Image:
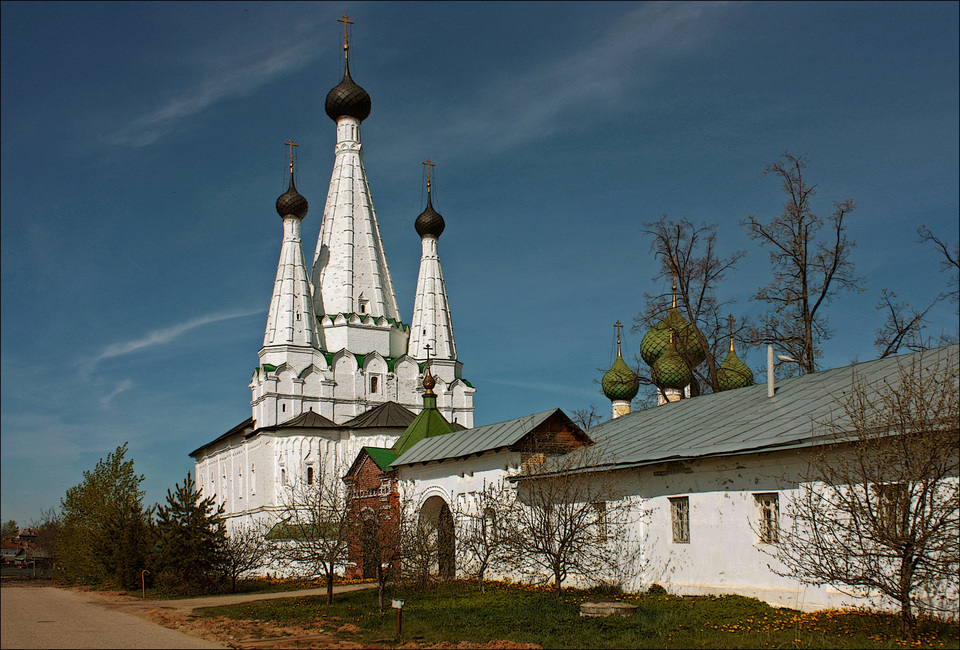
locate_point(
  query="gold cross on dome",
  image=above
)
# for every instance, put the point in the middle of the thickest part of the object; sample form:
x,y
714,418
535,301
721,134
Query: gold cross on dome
x,y
428,165
290,143
619,327
346,44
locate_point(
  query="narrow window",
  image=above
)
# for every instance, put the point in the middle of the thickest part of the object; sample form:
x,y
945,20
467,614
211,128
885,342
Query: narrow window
x,y
489,525
375,384
892,508
600,521
769,524
680,516
309,476
283,477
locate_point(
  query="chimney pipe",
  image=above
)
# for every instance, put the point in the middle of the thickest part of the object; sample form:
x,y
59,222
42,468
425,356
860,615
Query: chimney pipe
x,y
770,388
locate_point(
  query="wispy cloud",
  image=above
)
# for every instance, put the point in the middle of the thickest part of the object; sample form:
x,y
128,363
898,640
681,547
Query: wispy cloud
x,y
164,336
236,82
599,77
124,385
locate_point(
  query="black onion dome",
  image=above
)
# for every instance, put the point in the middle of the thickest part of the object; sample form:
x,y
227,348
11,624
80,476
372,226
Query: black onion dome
x,y
347,98
429,222
292,203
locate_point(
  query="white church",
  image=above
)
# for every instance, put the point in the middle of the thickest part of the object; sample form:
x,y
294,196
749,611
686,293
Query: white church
x,y
343,382
339,368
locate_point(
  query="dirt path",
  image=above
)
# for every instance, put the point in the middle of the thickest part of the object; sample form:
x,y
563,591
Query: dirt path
x,y
318,633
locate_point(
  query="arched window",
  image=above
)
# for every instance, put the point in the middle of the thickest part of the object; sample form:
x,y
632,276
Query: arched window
x,y
309,476
374,384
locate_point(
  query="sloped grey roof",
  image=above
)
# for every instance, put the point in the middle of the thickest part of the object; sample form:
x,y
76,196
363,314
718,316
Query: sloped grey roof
x,y
248,423
308,420
473,441
746,420
388,414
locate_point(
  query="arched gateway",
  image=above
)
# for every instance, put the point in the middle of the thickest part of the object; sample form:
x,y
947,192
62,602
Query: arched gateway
x,y
436,521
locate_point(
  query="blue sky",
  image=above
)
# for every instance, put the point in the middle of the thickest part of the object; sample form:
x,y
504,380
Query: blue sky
x,y
142,154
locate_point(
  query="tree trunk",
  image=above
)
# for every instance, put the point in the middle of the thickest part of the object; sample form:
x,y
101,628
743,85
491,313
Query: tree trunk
x,y
329,587
906,616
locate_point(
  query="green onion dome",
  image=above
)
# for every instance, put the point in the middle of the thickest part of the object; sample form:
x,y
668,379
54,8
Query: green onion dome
x,y
620,383
733,373
671,370
687,343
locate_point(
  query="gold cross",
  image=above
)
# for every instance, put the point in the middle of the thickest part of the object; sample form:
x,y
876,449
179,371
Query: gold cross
x,y
346,45
427,348
619,327
429,165
291,144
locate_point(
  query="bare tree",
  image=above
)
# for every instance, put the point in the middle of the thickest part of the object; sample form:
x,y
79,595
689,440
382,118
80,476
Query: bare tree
x,y
904,327
482,536
566,517
312,536
688,254
810,256
245,551
950,262
879,508
587,418
48,529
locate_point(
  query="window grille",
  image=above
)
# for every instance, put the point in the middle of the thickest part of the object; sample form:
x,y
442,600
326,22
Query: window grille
x,y
769,524
892,508
680,516
600,510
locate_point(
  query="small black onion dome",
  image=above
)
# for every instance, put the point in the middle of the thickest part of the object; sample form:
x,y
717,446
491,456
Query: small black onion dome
x,y
429,222
292,203
347,98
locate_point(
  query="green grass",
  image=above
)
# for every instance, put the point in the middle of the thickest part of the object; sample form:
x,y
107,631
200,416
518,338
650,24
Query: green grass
x,y
458,612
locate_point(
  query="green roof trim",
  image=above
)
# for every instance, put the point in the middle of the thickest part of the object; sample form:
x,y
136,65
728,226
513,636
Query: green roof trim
x,y
429,423
382,457
269,367
466,382
329,357
284,530
390,364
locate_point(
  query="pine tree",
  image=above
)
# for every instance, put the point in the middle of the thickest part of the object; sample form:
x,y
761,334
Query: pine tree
x,y
191,540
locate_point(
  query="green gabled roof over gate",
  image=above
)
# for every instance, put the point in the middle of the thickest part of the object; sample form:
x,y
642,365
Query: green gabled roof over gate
x,y
428,424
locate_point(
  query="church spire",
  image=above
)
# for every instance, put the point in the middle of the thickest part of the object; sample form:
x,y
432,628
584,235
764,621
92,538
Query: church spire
x,y
431,324
350,269
290,319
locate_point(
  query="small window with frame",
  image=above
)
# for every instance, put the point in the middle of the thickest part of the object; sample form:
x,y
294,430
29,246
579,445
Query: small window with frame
x,y
680,519
768,507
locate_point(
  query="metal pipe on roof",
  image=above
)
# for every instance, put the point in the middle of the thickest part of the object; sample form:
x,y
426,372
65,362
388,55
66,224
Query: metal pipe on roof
x,y
770,387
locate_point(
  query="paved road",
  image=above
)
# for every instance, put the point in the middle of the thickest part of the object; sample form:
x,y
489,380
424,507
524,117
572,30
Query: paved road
x,y
47,617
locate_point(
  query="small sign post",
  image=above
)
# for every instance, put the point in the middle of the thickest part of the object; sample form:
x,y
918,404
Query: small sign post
x,y
398,605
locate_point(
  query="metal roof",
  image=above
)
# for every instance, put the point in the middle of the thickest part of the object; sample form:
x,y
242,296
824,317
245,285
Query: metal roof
x,y
388,414
307,420
746,419
460,444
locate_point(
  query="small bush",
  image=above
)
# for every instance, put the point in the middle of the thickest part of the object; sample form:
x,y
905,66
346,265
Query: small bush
x,y
656,590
